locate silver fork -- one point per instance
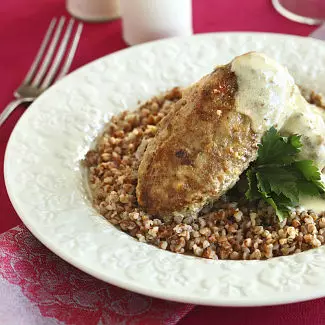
(41, 74)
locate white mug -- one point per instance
(93, 10)
(147, 20)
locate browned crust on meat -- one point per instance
(200, 150)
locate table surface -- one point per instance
(22, 26)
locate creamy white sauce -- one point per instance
(265, 90)
(268, 95)
(313, 203)
(309, 121)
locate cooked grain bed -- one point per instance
(227, 230)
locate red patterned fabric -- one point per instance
(58, 292)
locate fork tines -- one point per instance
(43, 72)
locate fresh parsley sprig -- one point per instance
(278, 177)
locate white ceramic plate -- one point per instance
(45, 183)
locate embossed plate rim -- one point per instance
(60, 200)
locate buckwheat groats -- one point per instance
(232, 228)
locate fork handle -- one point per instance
(11, 107)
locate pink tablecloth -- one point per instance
(22, 25)
(39, 288)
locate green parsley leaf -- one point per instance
(281, 180)
(310, 172)
(278, 177)
(252, 193)
(280, 204)
(275, 149)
